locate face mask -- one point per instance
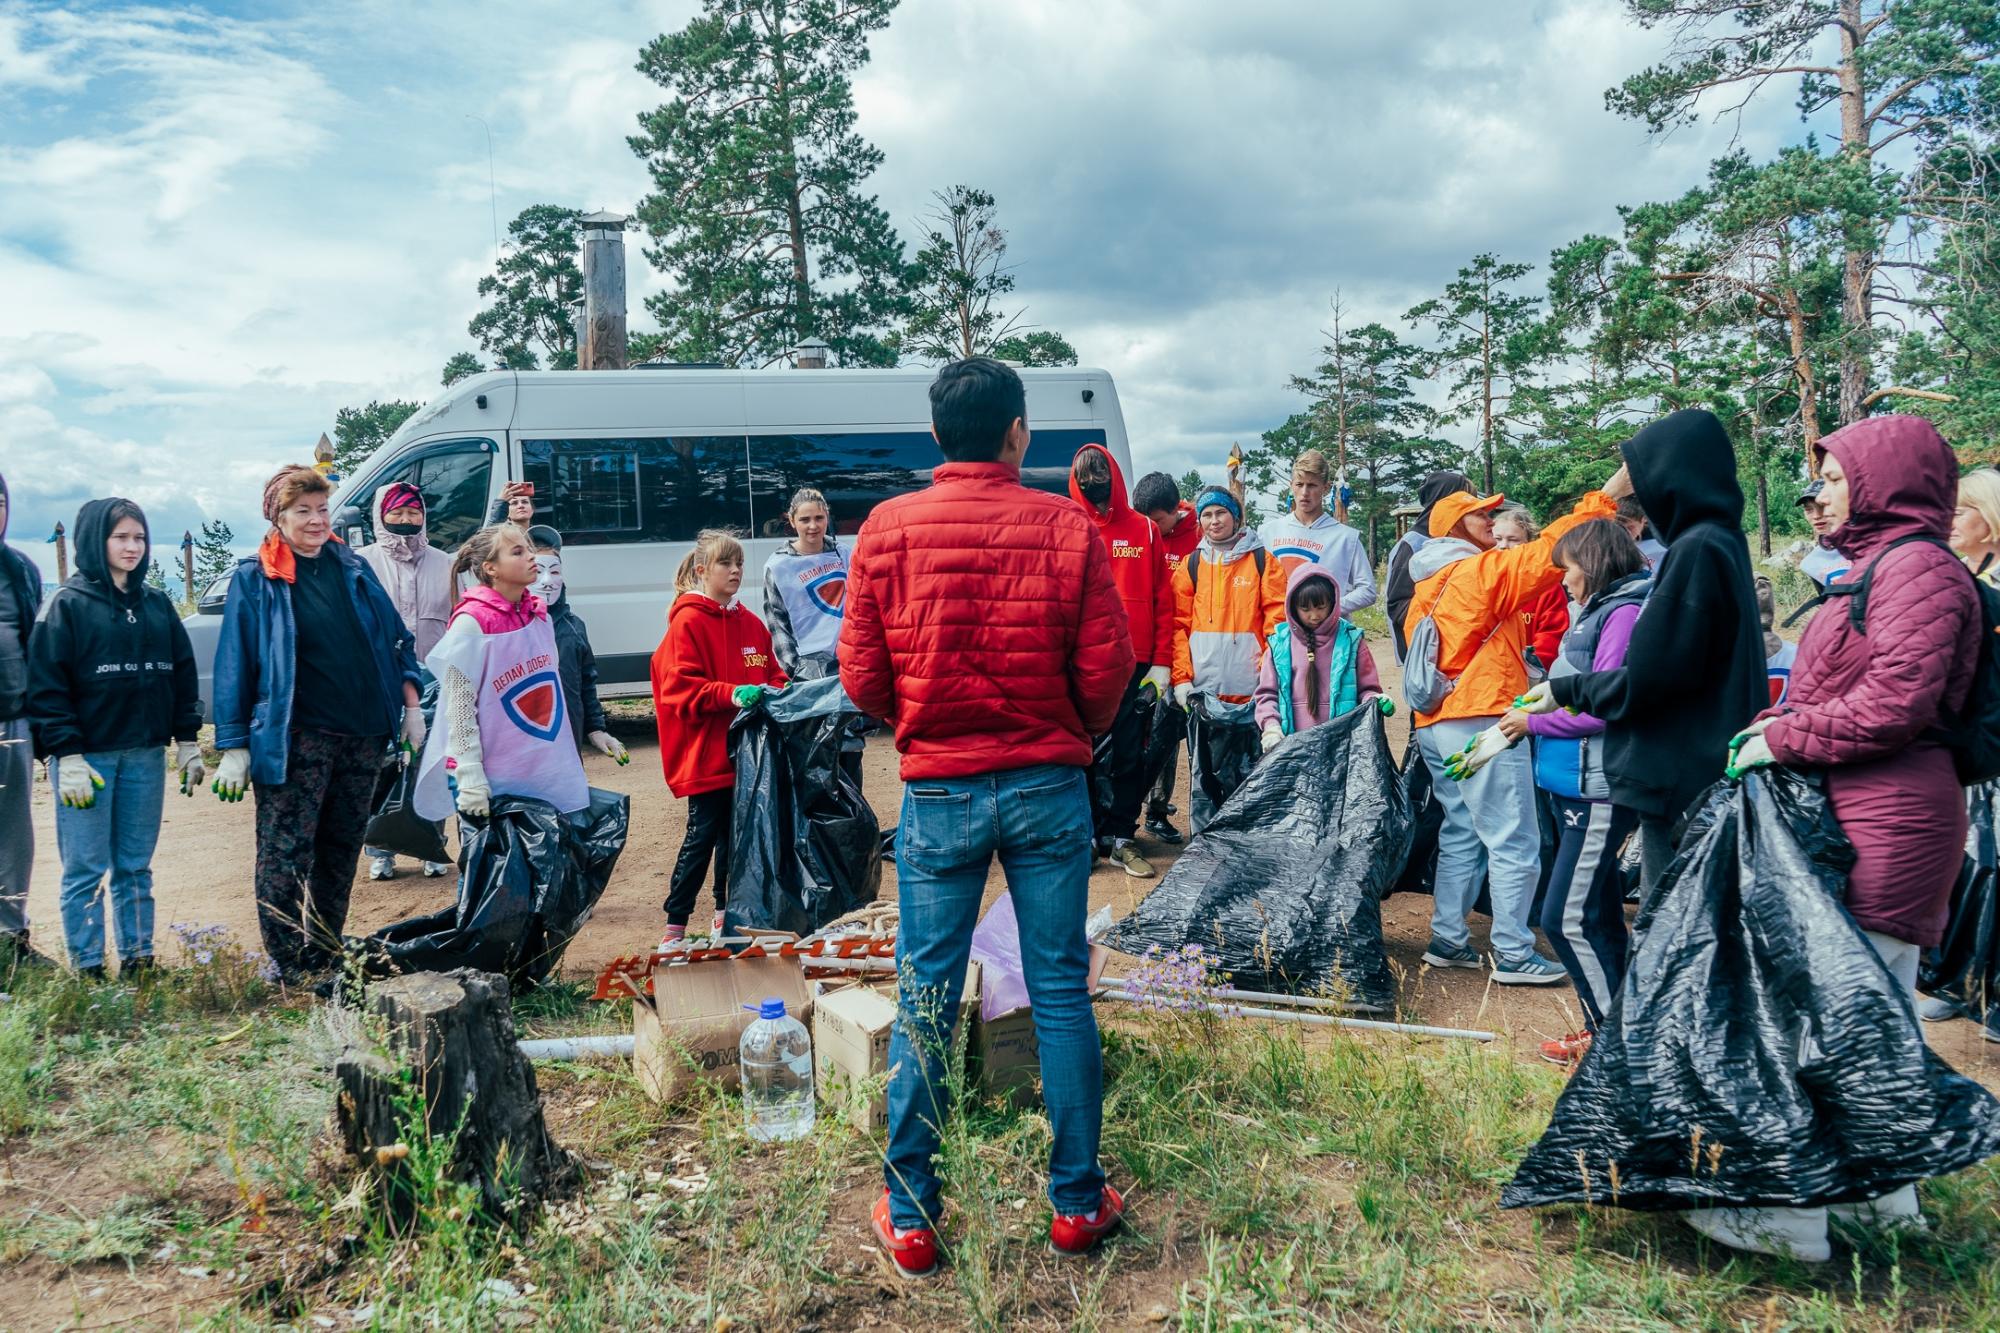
(548, 584)
(403, 527)
(1097, 492)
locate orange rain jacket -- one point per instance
(1223, 616)
(1478, 601)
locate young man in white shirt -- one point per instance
(1310, 534)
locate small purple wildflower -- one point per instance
(1178, 982)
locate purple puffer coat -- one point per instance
(1860, 704)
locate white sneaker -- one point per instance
(1936, 1008)
(381, 867)
(437, 869)
(1790, 1233)
(1896, 1211)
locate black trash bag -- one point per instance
(395, 826)
(1223, 746)
(1284, 886)
(805, 846)
(1703, 1089)
(1118, 757)
(1419, 872)
(529, 880)
(1966, 967)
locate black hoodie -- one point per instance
(1398, 586)
(575, 662)
(110, 668)
(1694, 672)
(20, 598)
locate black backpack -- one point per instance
(1973, 733)
(1194, 567)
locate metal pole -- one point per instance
(1325, 1020)
(578, 1048)
(1265, 997)
(187, 564)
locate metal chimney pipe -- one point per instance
(601, 345)
(812, 354)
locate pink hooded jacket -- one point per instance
(1303, 715)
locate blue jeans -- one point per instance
(117, 834)
(1489, 832)
(1038, 821)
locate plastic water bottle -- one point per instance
(777, 1058)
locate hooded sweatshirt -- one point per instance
(1312, 651)
(1227, 600)
(1693, 674)
(1397, 585)
(803, 598)
(415, 574)
(20, 599)
(709, 650)
(1863, 706)
(1138, 566)
(110, 668)
(1179, 544)
(578, 658)
(1333, 546)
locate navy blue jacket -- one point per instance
(256, 658)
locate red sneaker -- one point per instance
(1077, 1233)
(913, 1253)
(1566, 1051)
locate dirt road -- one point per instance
(202, 876)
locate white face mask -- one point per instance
(548, 584)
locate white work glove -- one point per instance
(77, 783)
(1182, 693)
(232, 775)
(1159, 678)
(475, 797)
(1745, 755)
(193, 769)
(414, 730)
(1272, 737)
(610, 746)
(1477, 754)
(1754, 729)
(1539, 699)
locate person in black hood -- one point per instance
(20, 599)
(112, 679)
(1398, 588)
(575, 662)
(1694, 673)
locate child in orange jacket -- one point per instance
(715, 661)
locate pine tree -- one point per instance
(758, 215)
(529, 321)
(1480, 323)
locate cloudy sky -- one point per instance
(219, 224)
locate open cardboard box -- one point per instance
(850, 1028)
(692, 1024)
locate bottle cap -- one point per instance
(772, 1007)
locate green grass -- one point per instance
(1279, 1179)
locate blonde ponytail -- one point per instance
(711, 546)
(480, 548)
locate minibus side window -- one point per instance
(638, 489)
(454, 477)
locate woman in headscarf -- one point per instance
(314, 673)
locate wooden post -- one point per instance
(453, 1032)
(62, 555)
(603, 344)
(187, 563)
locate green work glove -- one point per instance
(232, 775)
(77, 783)
(1478, 752)
(745, 695)
(1752, 753)
(1385, 705)
(1539, 699)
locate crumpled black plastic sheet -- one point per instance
(1758, 1053)
(805, 846)
(1223, 746)
(529, 879)
(1284, 887)
(1966, 967)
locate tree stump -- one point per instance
(451, 1034)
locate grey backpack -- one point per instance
(1424, 686)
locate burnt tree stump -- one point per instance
(452, 1035)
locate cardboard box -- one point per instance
(850, 1027)
(1006, 1058)
(691, 1025)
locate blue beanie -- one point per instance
(1216, 496)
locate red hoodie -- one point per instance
(1179, 544)
(1139, 567)
(709, 651)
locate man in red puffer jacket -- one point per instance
(982, 620)
(1118, 773)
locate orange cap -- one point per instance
(1446, 512)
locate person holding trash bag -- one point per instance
(111, 680)
(417, 577)
(1604, 574)
(1872, 705)
(1397, 585)
(20, 599)
(982, 617)
(1475, 596)
(1316, 665)
(575, 658)
(1159, 498)
(1228, 597)
(1694, 673)
(715, 660)
(313, 674)
(805, 586)
(1139, 571)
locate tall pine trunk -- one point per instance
(1857, 269)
